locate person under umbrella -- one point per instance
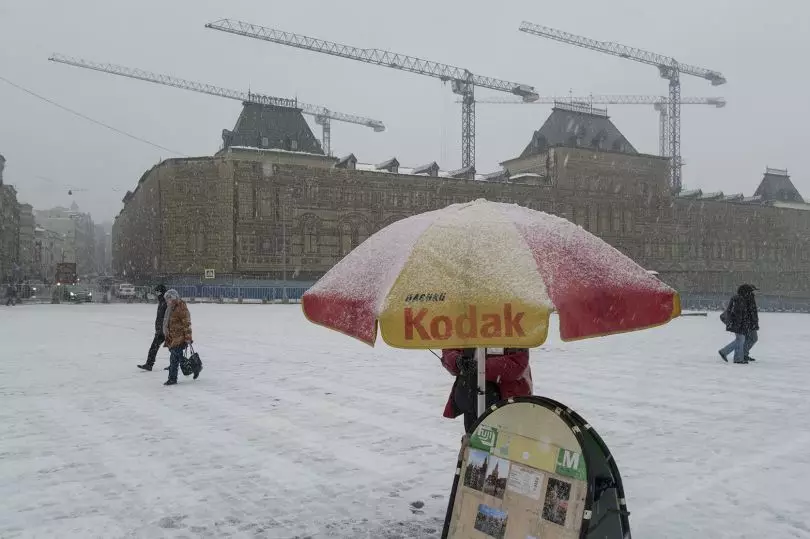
(508, 374)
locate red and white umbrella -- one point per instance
(486, 274)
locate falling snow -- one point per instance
(296, 431)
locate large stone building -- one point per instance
(27, 241)
(103, 239)
(274, 213)
(77, 233)
(9, 230)
(49, 250)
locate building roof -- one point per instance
(431, 169)
(467, 173)
(391, 165)
(776, 185)
(497, 176)
(272, 127)
(346, 161)
(579, 126)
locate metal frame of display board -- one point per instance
(604, 510)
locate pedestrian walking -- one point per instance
(159, 337)
(508, 374)
(177, 330)
(742, 319)
(11, 295)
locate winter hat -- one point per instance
(746, 289)
(160, 289)
(171, 294)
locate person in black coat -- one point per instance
(160, 290)
(741, 318)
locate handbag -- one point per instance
(185, 364)
(191, 364)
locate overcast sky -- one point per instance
(760, 47)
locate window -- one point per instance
(593, 219)
(267, 246)
(628, 222)
(604, 220)
(617, 221)
(311, 190)
(346, 233)
(294, 145)
(675, 251)
(580, 217)
(648, 249)
(265, 142)
(310, 237)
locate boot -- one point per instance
(145, 366)
(169, 382)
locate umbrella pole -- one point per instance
(481, 361)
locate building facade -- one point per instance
(274, 214)
(77, 234)
(9, 230)
(27, 241)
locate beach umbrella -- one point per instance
(486, 274)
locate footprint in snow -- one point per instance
(172, 522)
(416, 507)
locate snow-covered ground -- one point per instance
(296, 431)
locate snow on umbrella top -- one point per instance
(486, 274)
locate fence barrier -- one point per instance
(38, 293)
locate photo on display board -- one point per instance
(491, 521)
(555, 508)
(496, 476)
(476, 469)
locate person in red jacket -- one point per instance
(508, 374)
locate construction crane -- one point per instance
(323, 116)
(668, 68)
(462, 81)
(660, 103)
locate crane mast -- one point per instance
(463, 82)
(660, 103)
(322, 115)
(668, 68)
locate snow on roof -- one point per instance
(410, 171)
(276, 150)
(525, 175)
(803, 206)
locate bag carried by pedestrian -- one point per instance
(191, 363)
(725, 316)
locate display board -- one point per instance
(526, 473)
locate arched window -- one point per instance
(310, 236)
(346, 235)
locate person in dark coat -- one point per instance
(160, 290)
(508, 374)
(11, 295)
(741, 318)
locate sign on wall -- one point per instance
(210, 274)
